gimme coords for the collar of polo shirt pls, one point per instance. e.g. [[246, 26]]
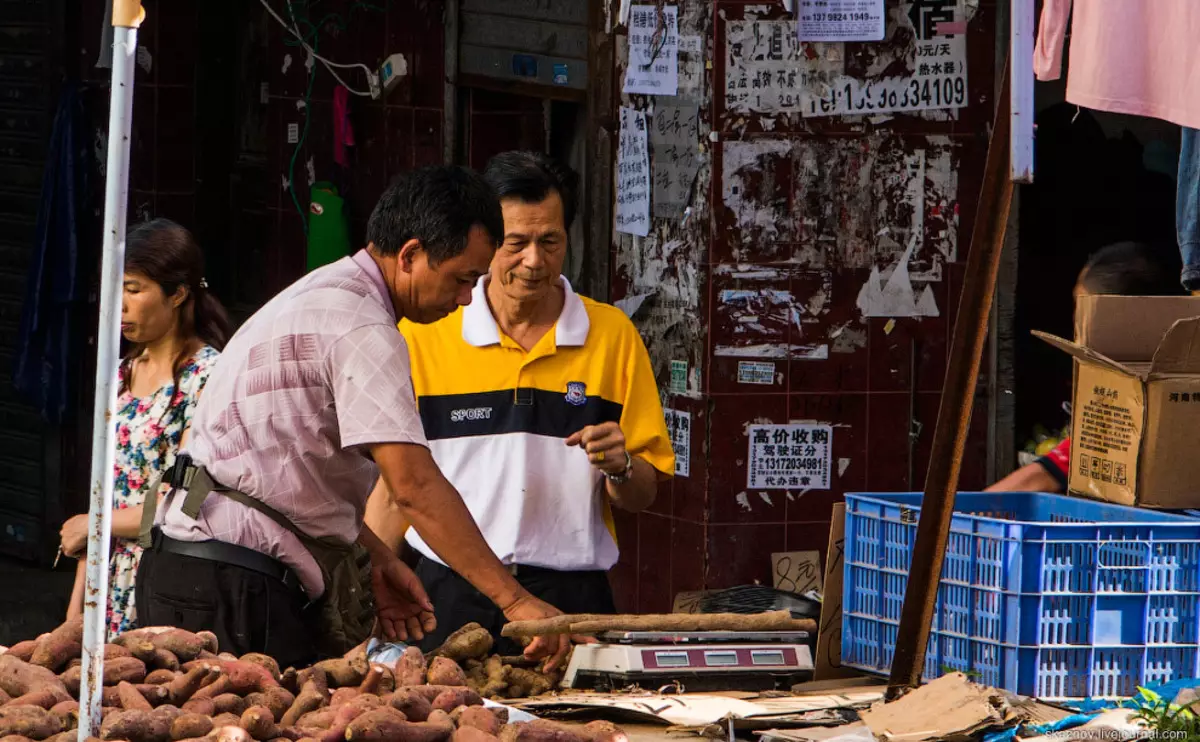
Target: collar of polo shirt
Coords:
[[480, 328]]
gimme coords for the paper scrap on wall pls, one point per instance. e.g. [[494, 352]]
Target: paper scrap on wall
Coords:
[[679, 424], [795, 456], [653, 50], [937, 75], [766, 69], [896, 297], [633, 175], [840, 20], [675, 137]]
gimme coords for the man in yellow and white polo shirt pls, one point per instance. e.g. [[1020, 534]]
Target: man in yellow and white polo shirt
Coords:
[[540, 407]]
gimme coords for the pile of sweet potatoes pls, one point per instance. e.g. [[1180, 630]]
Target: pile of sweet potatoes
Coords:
[[169, 685]]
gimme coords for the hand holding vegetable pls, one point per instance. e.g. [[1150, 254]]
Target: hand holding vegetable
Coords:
[[554, 648]]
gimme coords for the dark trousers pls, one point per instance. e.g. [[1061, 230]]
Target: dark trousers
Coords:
[[456, 602], [246, 609]]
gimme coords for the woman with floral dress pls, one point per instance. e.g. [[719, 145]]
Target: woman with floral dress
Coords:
[[175, 329]]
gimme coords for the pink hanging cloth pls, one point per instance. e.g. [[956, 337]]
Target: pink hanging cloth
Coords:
[[343, 132]]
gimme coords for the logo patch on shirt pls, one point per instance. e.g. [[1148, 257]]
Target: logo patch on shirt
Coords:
[[577, 393]]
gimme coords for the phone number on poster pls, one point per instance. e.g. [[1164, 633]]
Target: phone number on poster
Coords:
[[916, 95]]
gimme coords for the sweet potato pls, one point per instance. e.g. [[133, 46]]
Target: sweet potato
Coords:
[[386, 725], [131, 699], [414, 706], [229, 733], [478, 717], [227, 720], [187, 726], [289, 680], [67, 713], [469, 642], [4, 698], [259, 722], [279, 700], [136, 726], [23, 650], [129, 669], [17, 738], [347, 713], [163, 660], [411, 668], [202, 706], [160, 677], [341, 696], [111, 651], [156, 694], [444, 671], [472, 734], [497, 677], [229, 703], [451, 699], [60, 645], [185, 645], [430, 692], [71, 678], [45, 697], [184, 686], [311, 698], [387, 680], [524, 683], [437, 716], [215, 688], [371, 681], [501, 714], [67, 735], [18, 678], [538, 731], [209, 640], [343, 672], [248, 677], [267, 663]]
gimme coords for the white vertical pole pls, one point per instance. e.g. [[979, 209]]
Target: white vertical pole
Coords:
[[126, 17], [1021, 82]]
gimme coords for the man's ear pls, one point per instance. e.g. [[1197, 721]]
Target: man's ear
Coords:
[[407, 255]]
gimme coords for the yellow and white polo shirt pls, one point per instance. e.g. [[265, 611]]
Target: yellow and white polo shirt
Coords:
[[497, 417]]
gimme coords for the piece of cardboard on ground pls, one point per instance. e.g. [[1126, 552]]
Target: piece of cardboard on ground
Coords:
[[825, 687], [702, 709], [856, 732], [796, 571], [827, 662], [949, 708], [1136, 399]]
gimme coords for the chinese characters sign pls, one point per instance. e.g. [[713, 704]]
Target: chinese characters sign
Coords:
[[789, 456], [679, 424], [840, 20], [633, 175], [653, 50], [675, 138], [937, 75]]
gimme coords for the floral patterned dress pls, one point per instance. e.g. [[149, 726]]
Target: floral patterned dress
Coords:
[[147, 440]]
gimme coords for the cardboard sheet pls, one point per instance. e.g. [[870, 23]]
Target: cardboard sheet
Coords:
[[949, 708]]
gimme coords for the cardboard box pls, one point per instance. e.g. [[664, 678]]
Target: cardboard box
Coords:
[[1135, 427]]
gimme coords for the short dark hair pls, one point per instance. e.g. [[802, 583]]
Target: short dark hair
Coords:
[[1132, 269], [437, 205], [530, 176]]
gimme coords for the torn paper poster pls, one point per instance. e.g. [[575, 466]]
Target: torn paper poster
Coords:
[[841, 20], [756, 372], [764, 323], [794, 456], [896, 297], [631, 304], [675, 137], [679, 424], [633, 175], [679, 374], [653, 50], [768, 70], [935, 79]]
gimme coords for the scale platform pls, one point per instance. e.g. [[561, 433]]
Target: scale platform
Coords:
[[700, 660]]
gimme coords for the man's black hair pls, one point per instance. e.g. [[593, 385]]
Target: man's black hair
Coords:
[[437, 205], [530, 177], [1132, 269]]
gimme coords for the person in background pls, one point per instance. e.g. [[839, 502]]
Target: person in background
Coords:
[[540, 407], [312, 403], [1123, 269], [175, 329]]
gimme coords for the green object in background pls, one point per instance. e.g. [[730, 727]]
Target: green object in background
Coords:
[[328, 233]]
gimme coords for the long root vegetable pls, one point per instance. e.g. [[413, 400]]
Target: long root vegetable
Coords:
[[259, 722], [343, 672], [202, 706], [445, 671], [187, 726], [248, 677], [229, 733], [279, 700], [23, 650], [265, 662], [449, 700], [45, 697], [136, 726], [347, 713], [387, 725], [414, 706], [229, 703], [67, 713], [160, 677], [218, 686], [469, 642], [18, 678], [497, 677], [129, 669], [184, 686], [319, 719], [478, 717], [472, 734], [537, 731], [227, 720], [372, 680], [411, 668], [130, 698], [523, 683], [59, 645], [33, 722], [341, 696], [185, 645], [312, 697]]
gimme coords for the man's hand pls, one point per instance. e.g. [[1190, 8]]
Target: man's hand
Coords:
[[552, 647], [605, 446], [401, 603], [74, 535]]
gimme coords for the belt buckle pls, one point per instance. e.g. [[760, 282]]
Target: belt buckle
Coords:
[[512, 569]]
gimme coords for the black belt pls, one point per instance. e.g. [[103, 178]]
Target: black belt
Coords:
[[239, 556]]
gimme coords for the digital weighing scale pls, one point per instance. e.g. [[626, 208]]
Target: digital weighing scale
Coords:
[[699, 660]]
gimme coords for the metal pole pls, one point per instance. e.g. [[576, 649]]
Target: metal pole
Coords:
[[1020, 54], [127, 15], [954, 414]]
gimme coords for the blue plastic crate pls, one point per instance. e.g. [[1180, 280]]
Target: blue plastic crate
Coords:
[[1047, 596]]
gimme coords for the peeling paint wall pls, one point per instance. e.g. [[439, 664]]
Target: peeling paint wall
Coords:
[[813, 280]]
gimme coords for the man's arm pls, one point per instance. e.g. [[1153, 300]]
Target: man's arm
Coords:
[[385, 519], [638, 492], [427, 500]]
